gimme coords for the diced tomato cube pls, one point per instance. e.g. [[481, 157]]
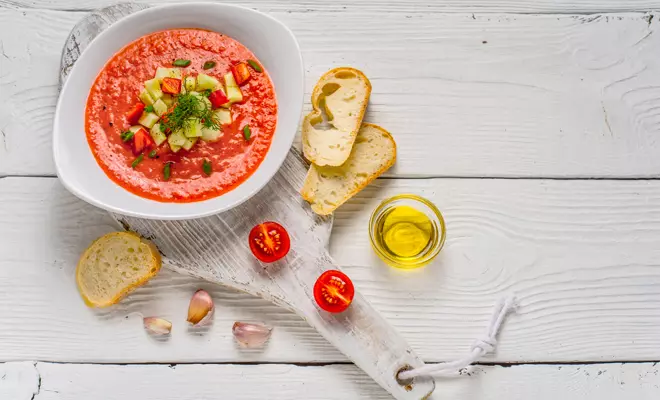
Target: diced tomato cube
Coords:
[[170, 85], [241, 73], [135, 113], [142, 141], [218, 98]]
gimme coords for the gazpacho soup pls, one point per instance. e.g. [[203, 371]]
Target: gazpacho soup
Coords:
[[181, 115]]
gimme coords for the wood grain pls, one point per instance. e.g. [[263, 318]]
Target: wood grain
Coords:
[[493, 95], [403, 6], [581, 255], [45, 381], [87, 28]]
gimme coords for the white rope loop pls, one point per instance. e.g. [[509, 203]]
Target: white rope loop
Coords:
[[479, 348]]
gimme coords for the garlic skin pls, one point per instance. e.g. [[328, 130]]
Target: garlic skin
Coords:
[[157, 326], [251, 335], [201, 308]]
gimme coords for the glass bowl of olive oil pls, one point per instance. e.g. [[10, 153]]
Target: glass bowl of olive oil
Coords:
[[407, 231]]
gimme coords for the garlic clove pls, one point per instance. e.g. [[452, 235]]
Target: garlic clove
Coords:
[[157, 326], [251, 335], [201, 308]]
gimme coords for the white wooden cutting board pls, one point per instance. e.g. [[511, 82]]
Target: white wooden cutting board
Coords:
[[216, 249]]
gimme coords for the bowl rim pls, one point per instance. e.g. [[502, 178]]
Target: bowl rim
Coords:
[[278, 159]]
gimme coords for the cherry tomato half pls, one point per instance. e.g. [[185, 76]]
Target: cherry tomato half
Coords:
[[334, 291], [269, 241]]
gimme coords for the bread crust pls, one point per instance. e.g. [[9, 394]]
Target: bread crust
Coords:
[[153, 270], [316, 110], [308, 193]]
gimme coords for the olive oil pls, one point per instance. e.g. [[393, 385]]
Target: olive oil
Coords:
[[403, 235]]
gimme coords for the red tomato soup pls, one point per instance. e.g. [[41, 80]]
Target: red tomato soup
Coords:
[[133, 159]]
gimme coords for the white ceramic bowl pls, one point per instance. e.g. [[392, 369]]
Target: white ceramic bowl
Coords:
[[271, 41]]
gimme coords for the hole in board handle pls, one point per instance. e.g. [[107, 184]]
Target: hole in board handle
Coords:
[[405, 383]]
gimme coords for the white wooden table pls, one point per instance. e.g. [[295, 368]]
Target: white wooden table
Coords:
[[534, 125]]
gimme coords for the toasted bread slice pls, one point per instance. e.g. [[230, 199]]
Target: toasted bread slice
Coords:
[[343, 93], [326, 188], [113, 265]]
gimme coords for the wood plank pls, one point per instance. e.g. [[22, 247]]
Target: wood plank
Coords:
[[444, 6], [29, 73], [345, 382], [581, 255], [493, 95], [19, 381]]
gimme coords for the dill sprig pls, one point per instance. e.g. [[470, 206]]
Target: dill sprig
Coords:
[[189, 109]]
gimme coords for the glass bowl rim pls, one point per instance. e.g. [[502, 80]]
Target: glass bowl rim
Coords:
[[419, 199]]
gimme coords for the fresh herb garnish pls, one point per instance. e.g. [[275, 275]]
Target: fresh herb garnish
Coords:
[[149, 109], [167, 170], [162, 128], [209, 65], [206, 166], [153, 153], [247, 132], [189, 109], [128, 135], [255, 66], [137, 160], [181, 63], [207, 92]]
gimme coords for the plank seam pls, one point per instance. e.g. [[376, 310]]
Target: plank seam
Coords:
[[23, 7], [323, 364], [38, 391]]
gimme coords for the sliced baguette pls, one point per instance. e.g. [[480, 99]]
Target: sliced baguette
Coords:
[[343, 93], [113, 265], [326, 188]]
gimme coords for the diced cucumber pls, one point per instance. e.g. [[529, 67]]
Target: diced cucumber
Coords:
[[146, 98], [207, 101], [210, 134], [189, 143], [167, 99], [174, 148], [168, 73], [193, 129], [157, 135], [160, 107], [177, 139], [153, 86], [234, 93], [135, 128], [205, 82], [222, 116], [203, 99], [189, 83], [148, 120]]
